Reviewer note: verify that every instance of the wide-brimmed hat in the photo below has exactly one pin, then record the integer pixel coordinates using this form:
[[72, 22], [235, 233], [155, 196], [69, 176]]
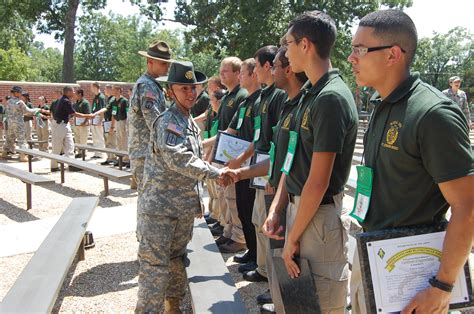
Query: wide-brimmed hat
[[16, 89], [158, 50], [182, 72]]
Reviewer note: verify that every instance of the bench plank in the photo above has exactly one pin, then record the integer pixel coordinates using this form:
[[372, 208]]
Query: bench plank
[[102, 149], [25, 176], [207, 269], [38, 285]]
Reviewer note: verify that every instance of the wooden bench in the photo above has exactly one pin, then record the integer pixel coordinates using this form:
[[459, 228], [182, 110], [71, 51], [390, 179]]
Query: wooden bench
[[101, 171], [119, 153], [37, 287], [27, 178], [36, 142], [211, 285]]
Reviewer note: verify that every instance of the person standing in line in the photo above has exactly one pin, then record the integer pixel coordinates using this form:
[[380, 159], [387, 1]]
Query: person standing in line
[[119, 120], [61, 132], [15, 110], [82, 105], [99, 102], [2, 119], [317, 166], [458, 96], [42, 129], [419, 154], [110, 136], [146, 103]]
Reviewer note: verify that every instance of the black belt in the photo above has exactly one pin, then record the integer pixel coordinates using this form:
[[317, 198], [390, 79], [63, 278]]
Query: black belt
[[325, 201]]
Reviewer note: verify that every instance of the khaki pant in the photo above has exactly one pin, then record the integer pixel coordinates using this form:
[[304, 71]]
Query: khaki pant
[[233, 225], [110, 142], [215, 202], [98, 138], [121, 135], [81, 134], [357, 288], [28, 129], [43, 135], [259, 215], [325, 243], [62, 140]]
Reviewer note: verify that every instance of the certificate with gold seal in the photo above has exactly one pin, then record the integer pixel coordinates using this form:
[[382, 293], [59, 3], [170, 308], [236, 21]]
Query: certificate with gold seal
[[396, 268]]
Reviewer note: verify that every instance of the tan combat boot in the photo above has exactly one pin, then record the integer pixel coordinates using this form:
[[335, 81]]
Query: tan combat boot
[[133, 184], [172, 306], [23, 158], [5, 154]]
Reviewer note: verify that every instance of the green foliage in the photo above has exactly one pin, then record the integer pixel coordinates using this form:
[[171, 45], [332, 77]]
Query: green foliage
[[444, 55], [14, 63], [46, 64]]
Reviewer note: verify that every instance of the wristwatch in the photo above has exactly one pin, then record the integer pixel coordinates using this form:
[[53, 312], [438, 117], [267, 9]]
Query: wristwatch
[[440, 285]]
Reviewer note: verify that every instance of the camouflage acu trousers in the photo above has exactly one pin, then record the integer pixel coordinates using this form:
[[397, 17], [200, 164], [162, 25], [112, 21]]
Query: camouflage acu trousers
[[160, 253]]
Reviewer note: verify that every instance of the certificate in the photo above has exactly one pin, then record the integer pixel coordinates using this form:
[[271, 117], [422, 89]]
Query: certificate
[[400, 267], [97, 119], [107, 125], [228, 147], [80, 121], [259, 182]]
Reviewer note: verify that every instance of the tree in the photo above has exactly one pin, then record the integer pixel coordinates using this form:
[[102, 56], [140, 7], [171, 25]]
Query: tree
[[47, 63], [444, 55], [14, 63]]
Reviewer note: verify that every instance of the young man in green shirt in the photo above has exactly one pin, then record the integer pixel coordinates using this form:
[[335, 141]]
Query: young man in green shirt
[[418, 148], [82, 105], [99, 102], [317, 165]]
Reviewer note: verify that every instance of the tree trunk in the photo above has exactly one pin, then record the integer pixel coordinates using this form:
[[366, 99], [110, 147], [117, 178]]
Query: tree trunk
[[69, 42]]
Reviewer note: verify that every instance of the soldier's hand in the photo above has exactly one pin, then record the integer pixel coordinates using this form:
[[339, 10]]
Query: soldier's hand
[[233, 163]]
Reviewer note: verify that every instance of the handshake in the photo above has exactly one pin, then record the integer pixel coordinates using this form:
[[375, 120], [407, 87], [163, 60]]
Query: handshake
[[228, 176]]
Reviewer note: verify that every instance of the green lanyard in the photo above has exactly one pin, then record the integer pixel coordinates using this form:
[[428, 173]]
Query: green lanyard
[[271, 152], [213, 131], [114, 110], [241, 117], [365, 177], [256, 127]]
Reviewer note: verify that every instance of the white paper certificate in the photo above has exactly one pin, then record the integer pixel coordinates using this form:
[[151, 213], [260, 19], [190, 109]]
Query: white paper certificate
[[401, 267], [80, 121], [229, 147], [107, 125], [260, 182], [96, 120]]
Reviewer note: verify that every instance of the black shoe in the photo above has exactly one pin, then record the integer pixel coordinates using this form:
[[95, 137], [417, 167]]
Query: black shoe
[[222, 240], [264, 298], [267, 308], [127, 165], [247, 267], [210, 220], [96, 157], [115, 163], [54, 169], [254, 276], [242, 258], [78, 156], [105, 163], [217, 230]]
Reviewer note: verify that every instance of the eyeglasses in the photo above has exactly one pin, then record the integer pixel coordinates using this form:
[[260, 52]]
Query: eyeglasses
[[362, 51], [283, 65]]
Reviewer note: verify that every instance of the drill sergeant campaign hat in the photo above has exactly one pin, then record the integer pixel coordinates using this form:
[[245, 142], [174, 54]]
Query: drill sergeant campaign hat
[[183, 73], [454, 79], [16, 89], [159, 50]]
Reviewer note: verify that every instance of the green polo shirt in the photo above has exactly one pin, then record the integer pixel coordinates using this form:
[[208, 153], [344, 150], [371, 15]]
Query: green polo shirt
[[82, 106], [416, 139], [229, 104], [269, 109], [120, 106], [110, 104], [202, 102], [98, 102], [245, 130], [281, 135], [326, 121]]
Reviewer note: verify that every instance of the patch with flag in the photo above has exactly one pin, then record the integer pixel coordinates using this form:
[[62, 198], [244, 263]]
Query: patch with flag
[[150, 95], [174, 128]]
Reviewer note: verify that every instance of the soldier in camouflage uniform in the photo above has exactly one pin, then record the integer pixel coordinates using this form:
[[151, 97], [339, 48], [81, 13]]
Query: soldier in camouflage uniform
[[146, 103], [458, 96], [171, 195], [15, 110]]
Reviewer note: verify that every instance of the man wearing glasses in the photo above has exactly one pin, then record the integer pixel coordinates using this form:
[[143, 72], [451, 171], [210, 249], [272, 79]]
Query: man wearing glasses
[[317, 164], [417, 146]]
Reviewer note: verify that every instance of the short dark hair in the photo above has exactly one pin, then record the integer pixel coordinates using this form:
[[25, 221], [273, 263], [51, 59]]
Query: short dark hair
[[96, 84], [395, 28], [266, 54], [80, 91], [318, 27], [67, 88], [281, 54], [117, 87], [249, 65]]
